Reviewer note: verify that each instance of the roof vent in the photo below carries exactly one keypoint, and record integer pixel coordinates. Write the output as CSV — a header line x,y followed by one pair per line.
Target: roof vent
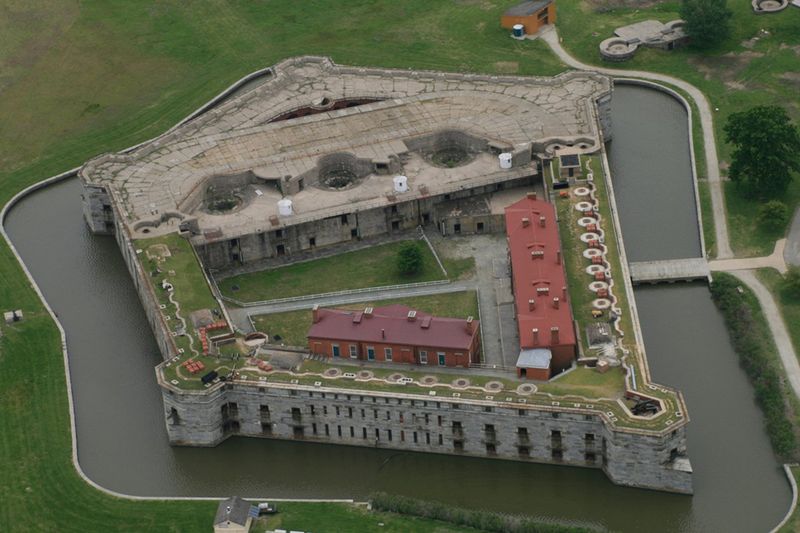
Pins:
x,y
412,316
526,222
368,312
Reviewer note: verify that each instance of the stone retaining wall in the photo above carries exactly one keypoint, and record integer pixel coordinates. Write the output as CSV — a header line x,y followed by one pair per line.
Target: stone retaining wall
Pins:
x,y
414,423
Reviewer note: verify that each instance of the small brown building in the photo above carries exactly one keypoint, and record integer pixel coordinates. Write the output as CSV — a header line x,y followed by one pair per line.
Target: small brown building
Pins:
x,y
532,14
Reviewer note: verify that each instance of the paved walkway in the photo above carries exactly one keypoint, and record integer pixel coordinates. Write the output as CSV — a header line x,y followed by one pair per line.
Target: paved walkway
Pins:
x,y
775,260
239,315
773,315
706,121
791,254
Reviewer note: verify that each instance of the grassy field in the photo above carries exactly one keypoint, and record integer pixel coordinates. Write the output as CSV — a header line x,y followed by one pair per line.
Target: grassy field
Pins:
x,y
345,518
292,326
789,305
752,67
371,267
82,78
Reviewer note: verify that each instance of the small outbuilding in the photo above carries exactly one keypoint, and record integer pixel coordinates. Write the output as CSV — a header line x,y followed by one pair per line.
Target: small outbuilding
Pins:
x,y
234,515
532,14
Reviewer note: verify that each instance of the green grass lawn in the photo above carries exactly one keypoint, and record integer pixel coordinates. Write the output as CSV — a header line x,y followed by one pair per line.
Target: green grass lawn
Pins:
x,y
750,68
371,267
346,518
789,305
292,326
82,78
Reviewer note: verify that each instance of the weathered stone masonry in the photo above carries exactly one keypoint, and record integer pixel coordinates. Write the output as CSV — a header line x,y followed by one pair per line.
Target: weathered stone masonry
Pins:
x,y
436,425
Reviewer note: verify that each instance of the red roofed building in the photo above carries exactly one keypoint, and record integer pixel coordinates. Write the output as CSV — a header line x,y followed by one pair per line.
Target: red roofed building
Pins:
x,y
544,315
396,334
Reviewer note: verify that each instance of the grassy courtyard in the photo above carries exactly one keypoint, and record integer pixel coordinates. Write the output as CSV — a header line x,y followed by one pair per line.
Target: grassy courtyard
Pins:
x,y
370,267
292,326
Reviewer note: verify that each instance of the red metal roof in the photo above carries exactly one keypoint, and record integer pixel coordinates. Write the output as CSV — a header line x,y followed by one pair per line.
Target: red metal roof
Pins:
x,y
392,320
538,274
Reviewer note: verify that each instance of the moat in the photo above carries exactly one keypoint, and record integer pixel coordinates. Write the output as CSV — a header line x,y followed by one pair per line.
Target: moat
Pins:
x,y
108,337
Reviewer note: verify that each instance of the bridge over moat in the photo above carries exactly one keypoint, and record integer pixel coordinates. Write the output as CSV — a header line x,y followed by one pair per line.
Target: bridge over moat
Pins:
x,y
669,270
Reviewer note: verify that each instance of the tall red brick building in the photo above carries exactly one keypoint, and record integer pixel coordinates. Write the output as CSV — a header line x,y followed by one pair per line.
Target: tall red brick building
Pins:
x,y
396,334
544,315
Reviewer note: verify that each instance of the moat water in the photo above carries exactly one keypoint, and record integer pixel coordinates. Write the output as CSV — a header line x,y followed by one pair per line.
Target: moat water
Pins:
x,y
122,442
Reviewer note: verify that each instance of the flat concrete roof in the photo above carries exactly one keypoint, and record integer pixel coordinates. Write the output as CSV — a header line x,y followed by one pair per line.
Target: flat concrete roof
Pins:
x,y
171,173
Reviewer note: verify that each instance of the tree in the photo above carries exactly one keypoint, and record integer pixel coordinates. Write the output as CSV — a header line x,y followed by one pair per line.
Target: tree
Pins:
x,y
791,282
409,259
773,215
765,150
707,21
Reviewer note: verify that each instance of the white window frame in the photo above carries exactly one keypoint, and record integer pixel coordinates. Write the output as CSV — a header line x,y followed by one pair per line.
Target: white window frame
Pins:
x,y
423,357
387,354
354,351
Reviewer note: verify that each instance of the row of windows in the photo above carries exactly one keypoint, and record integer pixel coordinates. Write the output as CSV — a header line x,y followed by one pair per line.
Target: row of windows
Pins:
x,y
387,354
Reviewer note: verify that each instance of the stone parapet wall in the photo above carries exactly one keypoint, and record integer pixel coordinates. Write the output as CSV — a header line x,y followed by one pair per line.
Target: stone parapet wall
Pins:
x,y
415,423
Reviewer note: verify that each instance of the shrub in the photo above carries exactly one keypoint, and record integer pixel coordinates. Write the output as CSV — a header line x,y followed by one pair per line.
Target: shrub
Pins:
x,y
409,259
773,215
791,283
748,336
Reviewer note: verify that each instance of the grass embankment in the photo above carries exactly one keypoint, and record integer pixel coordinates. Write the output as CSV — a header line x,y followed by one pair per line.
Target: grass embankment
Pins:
x,y
375,266
752,67
134,69
787,303
292,326
753,343
793,524
346,518
467,518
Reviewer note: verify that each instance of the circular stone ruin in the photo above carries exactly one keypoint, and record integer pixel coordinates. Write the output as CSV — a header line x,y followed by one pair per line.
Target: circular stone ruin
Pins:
x,y
769,6
460,383
592,252
594,269
526,389
493,386
584,207
585,221
332,373
397,376
428,380
365,374
598,285
581,191
616,49
590,236
601,303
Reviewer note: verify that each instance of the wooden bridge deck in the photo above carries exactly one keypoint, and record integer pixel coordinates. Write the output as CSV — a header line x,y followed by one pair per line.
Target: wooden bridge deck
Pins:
x,y
669,270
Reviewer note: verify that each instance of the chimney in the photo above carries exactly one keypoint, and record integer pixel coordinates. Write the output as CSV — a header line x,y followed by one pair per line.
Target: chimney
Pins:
x,y
531,195
531,304
558,257
555,302
368,311
526,222
383,333
315,313
542,221
535,332
564,292
470,325
412,316
554,335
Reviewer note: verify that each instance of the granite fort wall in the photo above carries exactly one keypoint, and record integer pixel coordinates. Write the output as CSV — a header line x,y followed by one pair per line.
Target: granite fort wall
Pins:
x,y
414,423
